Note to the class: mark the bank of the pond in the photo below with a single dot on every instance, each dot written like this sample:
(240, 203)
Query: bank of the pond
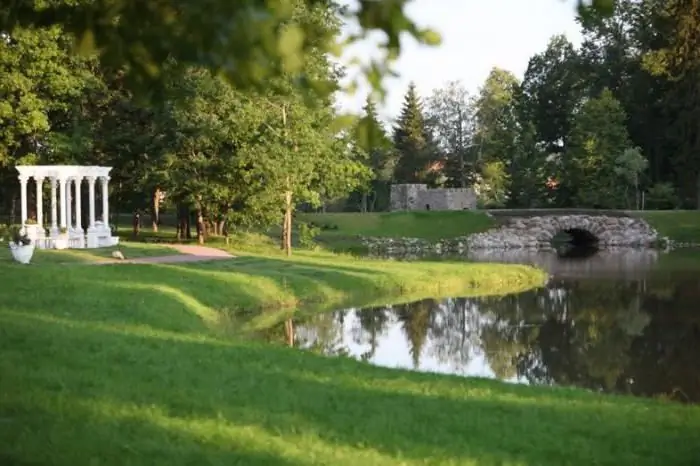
(254, 282)
(345, 231)
(680, 226)
(121, 364)
(448, 232)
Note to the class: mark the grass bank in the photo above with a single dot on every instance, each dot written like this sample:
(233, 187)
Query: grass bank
(127, 364)
(679, 225)
(341, 231)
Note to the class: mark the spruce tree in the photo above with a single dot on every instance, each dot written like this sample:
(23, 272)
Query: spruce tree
(374, 143)
(413, 142)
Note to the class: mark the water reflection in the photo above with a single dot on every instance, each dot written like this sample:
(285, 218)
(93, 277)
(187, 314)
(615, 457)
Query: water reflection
(625, 263)
(609, 325)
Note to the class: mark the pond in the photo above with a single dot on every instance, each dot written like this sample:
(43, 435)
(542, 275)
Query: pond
(623, 321)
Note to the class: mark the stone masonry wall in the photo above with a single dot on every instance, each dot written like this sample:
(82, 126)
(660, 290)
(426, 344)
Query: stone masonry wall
(537, 232)
(419, 197)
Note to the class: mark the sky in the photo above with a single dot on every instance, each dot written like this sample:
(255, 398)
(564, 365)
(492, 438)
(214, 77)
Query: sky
(476, 36)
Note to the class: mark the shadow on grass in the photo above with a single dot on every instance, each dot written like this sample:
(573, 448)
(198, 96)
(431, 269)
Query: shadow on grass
(93, 392)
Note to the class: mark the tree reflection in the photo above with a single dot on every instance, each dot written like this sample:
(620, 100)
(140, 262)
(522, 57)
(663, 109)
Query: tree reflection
(372, 325)
(630, 336)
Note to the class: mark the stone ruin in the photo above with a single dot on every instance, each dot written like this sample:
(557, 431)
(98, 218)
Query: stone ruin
(420, 197)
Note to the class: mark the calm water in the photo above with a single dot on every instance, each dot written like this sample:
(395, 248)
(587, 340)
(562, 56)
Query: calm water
(626, 321)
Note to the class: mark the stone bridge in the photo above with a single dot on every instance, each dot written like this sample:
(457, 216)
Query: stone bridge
(538, 232)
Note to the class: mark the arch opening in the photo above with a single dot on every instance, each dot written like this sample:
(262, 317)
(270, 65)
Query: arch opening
(575, 243)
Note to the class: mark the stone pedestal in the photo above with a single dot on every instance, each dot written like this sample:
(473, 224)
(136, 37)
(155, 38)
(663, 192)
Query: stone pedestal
(36, 233)
(61, 241)
(93, 238)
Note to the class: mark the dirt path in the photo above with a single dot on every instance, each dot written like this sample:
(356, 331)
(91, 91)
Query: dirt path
(188, 253)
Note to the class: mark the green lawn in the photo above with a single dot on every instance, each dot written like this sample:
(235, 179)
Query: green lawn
(152, 365)
(341, 231)
(141, 365)
(679, 225)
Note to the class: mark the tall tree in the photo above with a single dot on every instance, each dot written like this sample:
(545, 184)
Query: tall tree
(40, 83)
(450, 114)
(676, 58)
(413, 142)
(592, 164)
(375, 147)
(553, 89)
(496, 119)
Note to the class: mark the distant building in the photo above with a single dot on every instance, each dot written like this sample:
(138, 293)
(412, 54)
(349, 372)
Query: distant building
(420, 197)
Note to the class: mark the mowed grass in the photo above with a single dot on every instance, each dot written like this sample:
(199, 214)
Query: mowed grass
(140, 365)
(343, 231)
(679, 225)
(431, 225)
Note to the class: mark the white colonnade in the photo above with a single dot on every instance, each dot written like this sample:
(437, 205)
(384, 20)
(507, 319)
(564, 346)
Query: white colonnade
(66, 183)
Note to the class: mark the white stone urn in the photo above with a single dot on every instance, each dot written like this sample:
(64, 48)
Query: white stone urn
(22, 253)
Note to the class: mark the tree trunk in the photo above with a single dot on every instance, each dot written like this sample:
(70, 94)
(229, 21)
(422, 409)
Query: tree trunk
(155, 218)
(183, 222)
(289, 332)
(201, 225)
(363, 207)
(136, 224)
(286, 244)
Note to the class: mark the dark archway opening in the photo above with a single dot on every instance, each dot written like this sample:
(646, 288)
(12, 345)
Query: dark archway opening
(575, 243)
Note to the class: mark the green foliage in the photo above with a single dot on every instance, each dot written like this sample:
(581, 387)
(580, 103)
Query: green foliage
(413, 141)
(307, 235)
(596, 166)
(492, 185)
(450, 115)
(551, 92)
(661, 196)
(250, 43)
(373, 146)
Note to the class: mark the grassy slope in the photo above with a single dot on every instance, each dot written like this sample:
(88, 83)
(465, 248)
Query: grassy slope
(345, 228)
(126, 364)
(682, 225)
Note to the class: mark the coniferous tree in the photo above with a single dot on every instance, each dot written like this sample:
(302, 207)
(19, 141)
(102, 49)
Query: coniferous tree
(376, 148)
(414, 145)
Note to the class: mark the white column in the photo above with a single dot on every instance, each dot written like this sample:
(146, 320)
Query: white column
(78, 207)
(91, 199)
(54, 214)
(105, 201)
(69, 203)
(39, 201)
(23, 197)
(64, 204)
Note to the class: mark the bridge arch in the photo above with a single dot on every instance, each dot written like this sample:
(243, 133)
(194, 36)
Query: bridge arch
(538, 232)
(578, 237)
